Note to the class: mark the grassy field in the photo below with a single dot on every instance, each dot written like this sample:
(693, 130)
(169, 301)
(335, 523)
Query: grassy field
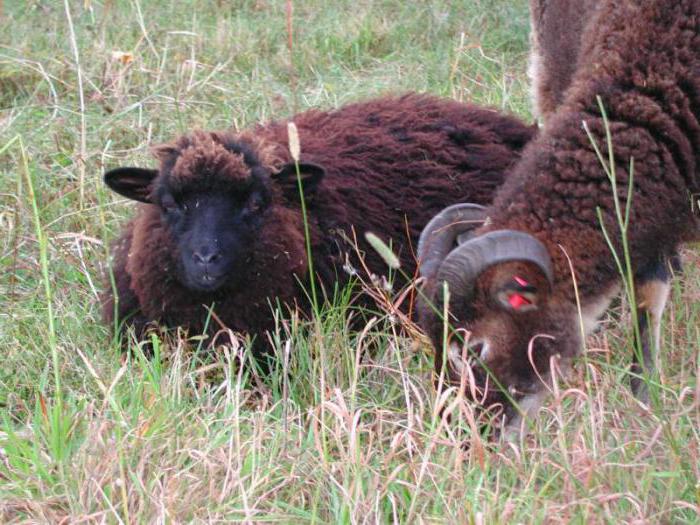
(89, 435)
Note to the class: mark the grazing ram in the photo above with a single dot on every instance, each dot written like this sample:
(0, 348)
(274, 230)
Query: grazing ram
(556, 42)
(510, 282)
(221, 220)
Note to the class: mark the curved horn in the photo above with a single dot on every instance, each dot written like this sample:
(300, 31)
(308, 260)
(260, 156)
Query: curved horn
(438, 236)
(466, 262)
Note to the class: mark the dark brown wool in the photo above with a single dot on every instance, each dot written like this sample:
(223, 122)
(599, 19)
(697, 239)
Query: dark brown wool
(555, 43)
(643, 59)
(390, 165)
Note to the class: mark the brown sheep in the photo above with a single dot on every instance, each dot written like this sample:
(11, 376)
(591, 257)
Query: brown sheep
(555, 43)
(221, 221)
(510, 285)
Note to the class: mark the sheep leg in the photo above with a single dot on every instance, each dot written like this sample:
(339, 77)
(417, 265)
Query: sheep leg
(555, 42)
(653, 287)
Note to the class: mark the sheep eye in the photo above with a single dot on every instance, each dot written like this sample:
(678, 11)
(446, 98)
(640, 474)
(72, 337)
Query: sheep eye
(255, 203)
(169, 205)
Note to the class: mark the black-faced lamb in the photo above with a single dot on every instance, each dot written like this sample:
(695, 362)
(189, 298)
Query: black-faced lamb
(510, 284)
(221, 223)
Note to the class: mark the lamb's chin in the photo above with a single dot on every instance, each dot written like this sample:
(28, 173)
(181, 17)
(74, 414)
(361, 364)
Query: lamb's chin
(205, 284)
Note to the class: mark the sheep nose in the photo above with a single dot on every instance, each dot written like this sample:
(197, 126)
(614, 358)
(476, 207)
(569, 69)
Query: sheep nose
(204, 256)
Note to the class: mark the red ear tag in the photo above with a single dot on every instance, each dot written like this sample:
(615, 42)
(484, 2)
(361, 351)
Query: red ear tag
(521, 281)
(517, 301)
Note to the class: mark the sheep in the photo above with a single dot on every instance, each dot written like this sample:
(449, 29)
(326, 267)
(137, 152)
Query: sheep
(554, 51)
(510, 281)
(555, 43)
(220, 221)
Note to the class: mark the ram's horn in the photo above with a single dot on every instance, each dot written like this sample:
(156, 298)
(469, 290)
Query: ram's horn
(466, 262)
(438, 237)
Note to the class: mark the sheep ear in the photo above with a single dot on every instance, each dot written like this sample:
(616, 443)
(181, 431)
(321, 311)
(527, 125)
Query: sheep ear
(133, 183)
(311, 175)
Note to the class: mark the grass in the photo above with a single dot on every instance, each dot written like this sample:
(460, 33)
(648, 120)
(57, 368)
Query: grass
(351, 433)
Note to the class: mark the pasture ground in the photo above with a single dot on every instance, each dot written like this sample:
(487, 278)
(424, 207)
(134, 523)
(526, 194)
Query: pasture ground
(354, 437)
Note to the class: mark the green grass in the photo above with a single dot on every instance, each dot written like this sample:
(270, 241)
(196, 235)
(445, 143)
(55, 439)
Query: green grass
(350, 434)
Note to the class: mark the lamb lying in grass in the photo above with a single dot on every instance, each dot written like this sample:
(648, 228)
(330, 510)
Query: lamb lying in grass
(220, 221)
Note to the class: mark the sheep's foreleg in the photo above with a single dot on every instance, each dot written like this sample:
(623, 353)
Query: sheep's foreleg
(652, 289)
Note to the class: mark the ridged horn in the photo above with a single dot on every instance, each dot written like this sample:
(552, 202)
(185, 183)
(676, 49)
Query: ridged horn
(437, 238)
(466, 262)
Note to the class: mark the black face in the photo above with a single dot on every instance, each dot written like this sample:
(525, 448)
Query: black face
(213, 207)
(213, 232)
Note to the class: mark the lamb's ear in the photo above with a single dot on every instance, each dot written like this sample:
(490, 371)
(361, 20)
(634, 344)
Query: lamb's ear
(311, 175)
(133, 183)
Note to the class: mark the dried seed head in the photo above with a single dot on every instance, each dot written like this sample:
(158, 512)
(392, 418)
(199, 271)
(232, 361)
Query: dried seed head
(294, 147)
(382, 249)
